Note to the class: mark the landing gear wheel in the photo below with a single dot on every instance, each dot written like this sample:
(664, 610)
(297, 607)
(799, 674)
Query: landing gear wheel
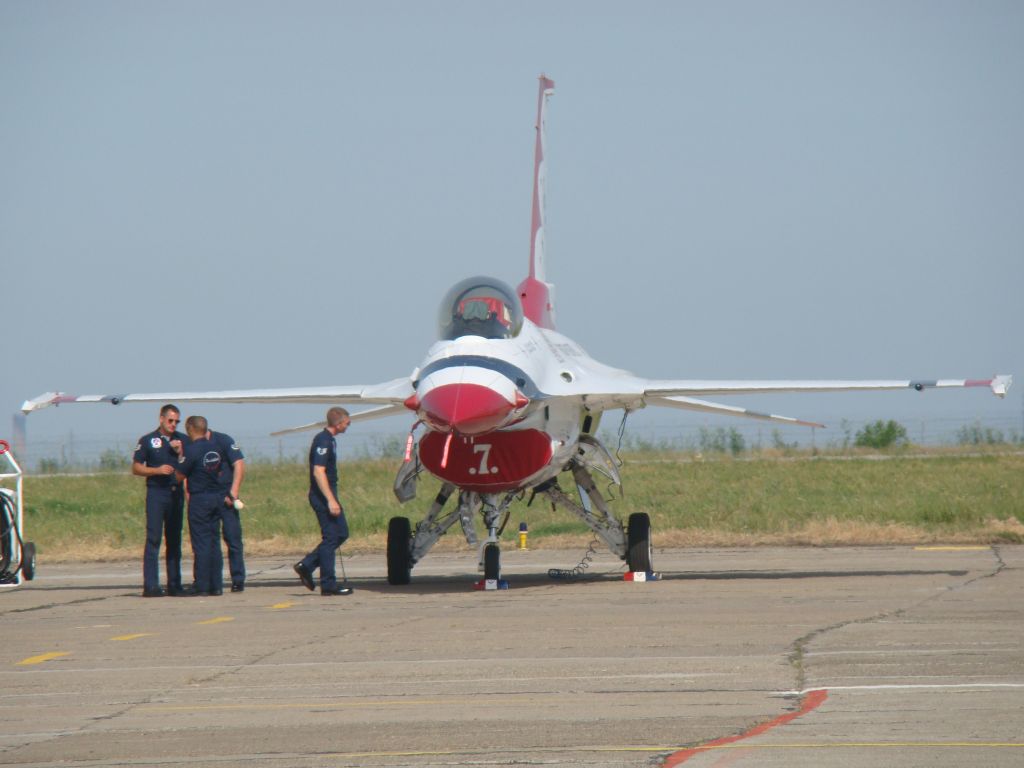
(638, 535)
(399, 556)
(28, 560)
(492, 562)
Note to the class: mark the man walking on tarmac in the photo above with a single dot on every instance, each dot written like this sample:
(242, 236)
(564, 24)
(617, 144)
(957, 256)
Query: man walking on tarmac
(155, 458)
(323, 498)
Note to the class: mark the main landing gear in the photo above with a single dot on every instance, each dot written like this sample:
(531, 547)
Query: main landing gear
(407, 546)
(631, 543)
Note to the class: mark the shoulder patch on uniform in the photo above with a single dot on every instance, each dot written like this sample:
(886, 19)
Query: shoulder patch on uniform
(234, 447)
(322, 451)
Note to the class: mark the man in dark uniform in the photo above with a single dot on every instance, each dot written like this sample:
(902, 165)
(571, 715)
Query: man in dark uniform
(155, 458)
(323, 498)
(232, 472)
(201, 465)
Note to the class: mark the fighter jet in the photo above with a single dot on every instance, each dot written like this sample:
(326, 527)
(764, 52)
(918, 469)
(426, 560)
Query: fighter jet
(506, 405)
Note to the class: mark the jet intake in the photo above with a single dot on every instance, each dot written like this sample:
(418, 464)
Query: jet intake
(466, 408)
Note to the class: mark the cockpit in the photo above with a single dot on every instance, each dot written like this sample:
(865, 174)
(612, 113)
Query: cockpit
(480, 306)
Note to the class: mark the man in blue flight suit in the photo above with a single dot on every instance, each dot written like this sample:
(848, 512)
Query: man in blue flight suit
(231, 475)
(201, 465)
(323, 498)
(155, 459)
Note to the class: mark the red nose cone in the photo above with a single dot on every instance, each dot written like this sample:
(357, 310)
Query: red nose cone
(469, 409)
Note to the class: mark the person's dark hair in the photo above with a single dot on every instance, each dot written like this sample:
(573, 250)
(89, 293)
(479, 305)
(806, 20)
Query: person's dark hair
(196, 425)
(168, 408)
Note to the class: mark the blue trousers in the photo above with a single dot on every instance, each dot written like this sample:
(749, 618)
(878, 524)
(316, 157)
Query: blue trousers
(204, 520)
(233, 538)
(165, 509)
(333, 533)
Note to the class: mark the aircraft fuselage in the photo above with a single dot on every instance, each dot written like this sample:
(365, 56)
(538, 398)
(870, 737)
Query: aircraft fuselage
(516, 388)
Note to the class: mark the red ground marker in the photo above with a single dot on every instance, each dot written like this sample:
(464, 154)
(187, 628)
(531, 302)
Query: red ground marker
(811, 701)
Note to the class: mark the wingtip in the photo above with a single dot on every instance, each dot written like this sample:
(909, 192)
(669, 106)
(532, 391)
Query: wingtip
(1001, 384)
(44, 400)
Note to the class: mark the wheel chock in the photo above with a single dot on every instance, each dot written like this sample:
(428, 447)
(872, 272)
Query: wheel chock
(641, 576)
(489, 584)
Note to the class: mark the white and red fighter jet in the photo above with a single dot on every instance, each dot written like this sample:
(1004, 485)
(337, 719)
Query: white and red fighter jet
(509, 404)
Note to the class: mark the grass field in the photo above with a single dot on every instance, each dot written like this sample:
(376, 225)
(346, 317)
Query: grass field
(800, 500)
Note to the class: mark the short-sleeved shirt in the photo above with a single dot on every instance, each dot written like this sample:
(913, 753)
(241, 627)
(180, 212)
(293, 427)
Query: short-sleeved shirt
(202, 465)
(323, 452)
(233, 453)
(154, 450)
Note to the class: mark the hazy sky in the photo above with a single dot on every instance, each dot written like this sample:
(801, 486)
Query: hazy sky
(255, 194)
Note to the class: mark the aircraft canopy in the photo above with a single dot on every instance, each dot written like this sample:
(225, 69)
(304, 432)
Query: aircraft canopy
(480, 306)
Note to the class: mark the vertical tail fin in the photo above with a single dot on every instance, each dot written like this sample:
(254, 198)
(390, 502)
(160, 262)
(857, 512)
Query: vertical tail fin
(537, 295)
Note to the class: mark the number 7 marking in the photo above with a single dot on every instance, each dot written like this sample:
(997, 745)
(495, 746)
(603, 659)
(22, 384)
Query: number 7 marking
(484, 449)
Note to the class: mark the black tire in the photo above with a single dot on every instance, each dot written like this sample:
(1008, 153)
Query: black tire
(492, 562)
(638, 535)
(28, 560)
(399, 556)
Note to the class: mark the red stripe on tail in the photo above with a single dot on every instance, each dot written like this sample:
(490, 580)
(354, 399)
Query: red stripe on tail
(535, 292)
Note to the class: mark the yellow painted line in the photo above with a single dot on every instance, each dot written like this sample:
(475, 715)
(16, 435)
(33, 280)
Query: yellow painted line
(136, 636)
(218, 620)
(663, 749)
(868, 744)
(297, 705)
(42, 657)
(972, 548)
(611, 748)
(317, 705)
(278, 606)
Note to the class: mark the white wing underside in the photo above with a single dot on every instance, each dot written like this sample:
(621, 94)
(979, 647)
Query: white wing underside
(368, 415)
(389, 393)
(613, 392)
(632, 393)
(667, 388)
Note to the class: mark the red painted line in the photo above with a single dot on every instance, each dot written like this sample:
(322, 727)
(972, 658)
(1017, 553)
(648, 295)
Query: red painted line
(811, 701)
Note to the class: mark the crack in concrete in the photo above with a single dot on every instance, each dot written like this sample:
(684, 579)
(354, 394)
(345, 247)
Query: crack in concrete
(798, 651)
(799, 646)
(49, 606)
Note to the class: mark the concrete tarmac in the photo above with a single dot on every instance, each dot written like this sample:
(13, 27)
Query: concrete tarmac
(756, 657)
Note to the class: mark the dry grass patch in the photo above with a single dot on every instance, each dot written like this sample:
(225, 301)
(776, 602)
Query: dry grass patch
(963, 499)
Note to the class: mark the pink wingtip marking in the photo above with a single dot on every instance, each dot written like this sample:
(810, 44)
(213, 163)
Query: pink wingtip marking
(978, 383)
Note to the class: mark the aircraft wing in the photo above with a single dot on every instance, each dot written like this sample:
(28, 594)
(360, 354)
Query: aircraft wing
(388, 393)
(371, 413)
(632, 393)
(693, 404)
(668, 388)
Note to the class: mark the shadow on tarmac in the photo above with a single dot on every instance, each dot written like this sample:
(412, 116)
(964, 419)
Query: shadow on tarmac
(460, 583)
